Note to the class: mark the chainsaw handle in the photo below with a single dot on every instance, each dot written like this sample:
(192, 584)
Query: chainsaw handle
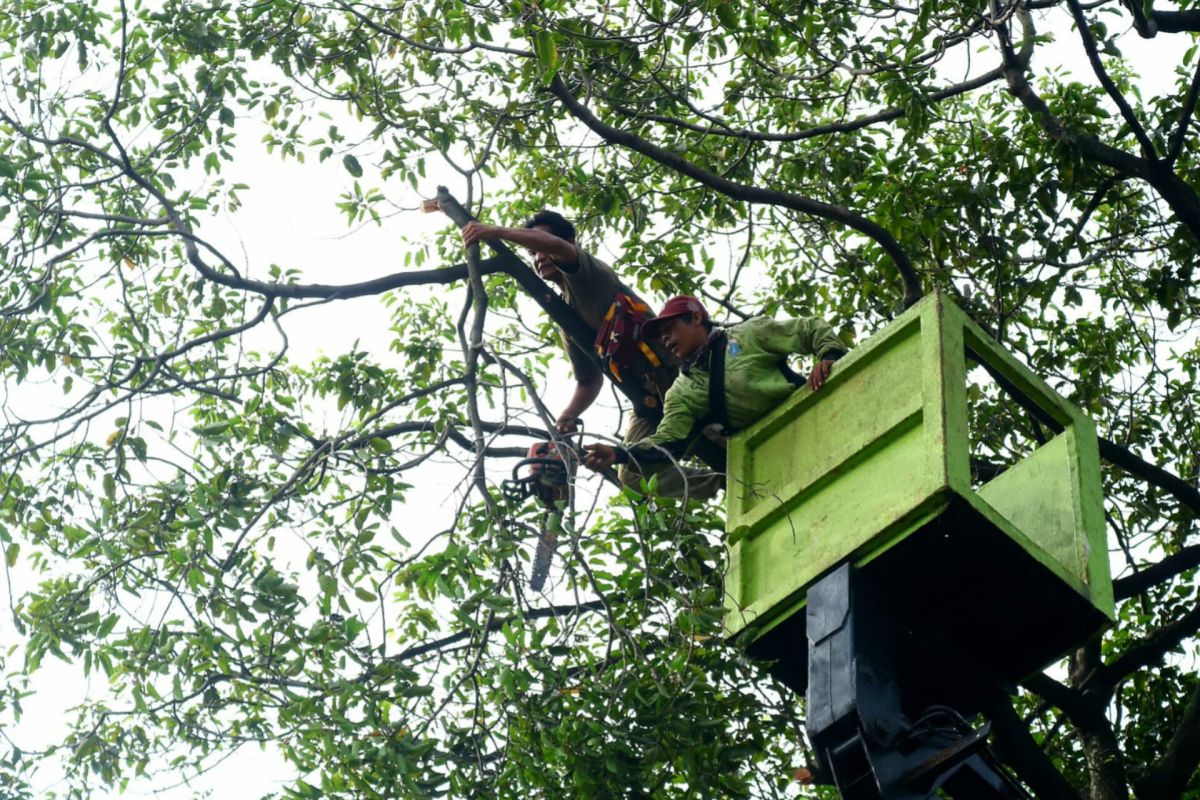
(527, 462)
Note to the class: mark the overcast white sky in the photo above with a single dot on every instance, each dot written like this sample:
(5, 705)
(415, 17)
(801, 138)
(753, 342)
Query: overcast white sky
(288, 218)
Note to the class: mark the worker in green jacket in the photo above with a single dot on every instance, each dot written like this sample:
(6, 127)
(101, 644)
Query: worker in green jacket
(756, 377)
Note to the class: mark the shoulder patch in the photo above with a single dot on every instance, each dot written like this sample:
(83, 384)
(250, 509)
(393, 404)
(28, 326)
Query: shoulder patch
(734, 347)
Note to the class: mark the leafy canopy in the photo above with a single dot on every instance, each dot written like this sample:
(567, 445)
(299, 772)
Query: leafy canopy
(229, 542)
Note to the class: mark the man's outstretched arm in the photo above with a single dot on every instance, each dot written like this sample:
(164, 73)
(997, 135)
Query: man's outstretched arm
(680, 412)
(804, 336)
(538, 241)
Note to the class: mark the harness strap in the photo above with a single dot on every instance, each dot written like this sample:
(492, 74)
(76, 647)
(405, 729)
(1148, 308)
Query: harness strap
(649, 353)
(716, 382)
(792, 377)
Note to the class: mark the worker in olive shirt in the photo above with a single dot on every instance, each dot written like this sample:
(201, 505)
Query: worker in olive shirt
(755, 382)
(589, 286)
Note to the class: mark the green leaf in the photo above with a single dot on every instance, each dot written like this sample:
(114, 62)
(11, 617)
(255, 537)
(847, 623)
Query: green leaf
(11, 552)
(380, 445)
(352, 165)
(7, 169)
(364, 595)
(546, 50)
(728, 15)
(107, 626)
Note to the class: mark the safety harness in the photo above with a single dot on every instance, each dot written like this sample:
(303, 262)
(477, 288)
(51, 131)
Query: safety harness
(619, 340)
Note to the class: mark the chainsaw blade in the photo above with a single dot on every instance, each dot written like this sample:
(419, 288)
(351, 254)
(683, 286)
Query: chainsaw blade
(541, 558)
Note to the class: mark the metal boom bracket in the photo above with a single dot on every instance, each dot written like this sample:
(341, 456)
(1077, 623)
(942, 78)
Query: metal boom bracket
(865, 745)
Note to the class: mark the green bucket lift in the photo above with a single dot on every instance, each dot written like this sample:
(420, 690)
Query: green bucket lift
(981, 585)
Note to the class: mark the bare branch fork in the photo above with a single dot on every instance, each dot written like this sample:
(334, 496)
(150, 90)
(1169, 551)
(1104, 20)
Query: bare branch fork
(472, 349)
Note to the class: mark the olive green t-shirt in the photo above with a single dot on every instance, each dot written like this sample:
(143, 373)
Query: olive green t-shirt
(589, 287)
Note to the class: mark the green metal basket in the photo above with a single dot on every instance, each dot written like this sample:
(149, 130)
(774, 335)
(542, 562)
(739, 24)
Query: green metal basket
(875, 469)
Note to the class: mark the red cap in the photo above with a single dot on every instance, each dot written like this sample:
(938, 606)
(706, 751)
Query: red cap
(679, 306)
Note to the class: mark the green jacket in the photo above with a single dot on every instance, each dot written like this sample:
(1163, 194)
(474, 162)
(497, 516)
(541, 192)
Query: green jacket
(754, 383)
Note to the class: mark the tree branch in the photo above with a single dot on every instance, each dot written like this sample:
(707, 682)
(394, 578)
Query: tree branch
(1089, 46)
(493, 626)
(472, 349)
(1150, 651)
(1070, 700)
(1177, 21)
(749, 194)
(1019, 750)
(1180, 196)
(1185, 119)
(428, 427)
(1097, 199)
(1170, 775)
(718, 128)
(1122, 457)
(322, 291)
(453, 434)
(1085, 143)
(426, 46)
(1146, 28)
(1169, 567)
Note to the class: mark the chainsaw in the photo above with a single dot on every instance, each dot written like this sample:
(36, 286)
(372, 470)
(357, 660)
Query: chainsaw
(549, 468)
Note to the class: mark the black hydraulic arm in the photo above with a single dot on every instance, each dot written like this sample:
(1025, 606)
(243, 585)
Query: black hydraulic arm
(865, 745)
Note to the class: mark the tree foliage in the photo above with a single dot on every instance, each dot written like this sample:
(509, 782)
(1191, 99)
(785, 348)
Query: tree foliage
(229, 569)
